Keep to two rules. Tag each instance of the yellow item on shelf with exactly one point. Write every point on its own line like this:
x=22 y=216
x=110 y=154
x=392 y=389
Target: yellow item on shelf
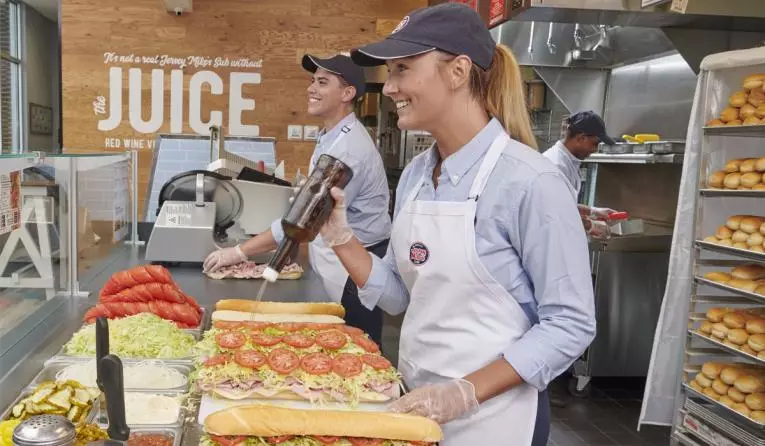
x=631 y=139
x=647 y=137
x=6 y=432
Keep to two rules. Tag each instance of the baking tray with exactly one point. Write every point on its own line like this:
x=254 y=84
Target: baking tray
x=732 y=193
x=665 y=147
x=617 y=149
x=723 y=287
x=735 y=415
x=102 y=419
x=51 y=368
x=727 y=348
x=94 y=408
x=706 y=413
x=176 y=433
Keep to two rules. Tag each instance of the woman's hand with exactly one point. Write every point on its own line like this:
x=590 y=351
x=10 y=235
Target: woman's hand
x=336 y=231
x=440 y=402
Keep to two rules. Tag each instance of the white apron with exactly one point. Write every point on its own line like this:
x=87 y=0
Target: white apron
x=323 y=259
x=459 y=318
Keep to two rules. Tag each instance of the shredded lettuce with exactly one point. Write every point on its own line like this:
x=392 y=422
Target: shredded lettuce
x=143 y=335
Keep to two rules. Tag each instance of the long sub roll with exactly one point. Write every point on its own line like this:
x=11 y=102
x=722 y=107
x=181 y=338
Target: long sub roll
x=253 y=306
x=264 y=422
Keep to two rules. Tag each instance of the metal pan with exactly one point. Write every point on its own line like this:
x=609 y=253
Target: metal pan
x=102 y=418
x=739 y=417
x=95 y=407
x=48 y=373
x=62 y=356
x=175 y=433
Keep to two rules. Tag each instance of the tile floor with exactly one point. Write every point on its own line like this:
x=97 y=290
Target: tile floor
x=607 y=417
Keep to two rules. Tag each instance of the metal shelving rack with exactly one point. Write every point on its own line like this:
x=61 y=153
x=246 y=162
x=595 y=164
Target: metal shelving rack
x=700 y=420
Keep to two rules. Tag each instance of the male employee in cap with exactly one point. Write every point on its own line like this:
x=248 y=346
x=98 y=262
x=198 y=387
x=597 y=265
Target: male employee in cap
x=585 y=131
x=335 y=85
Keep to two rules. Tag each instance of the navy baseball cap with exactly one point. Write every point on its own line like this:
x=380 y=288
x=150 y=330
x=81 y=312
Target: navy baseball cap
x=451 y=27
x=589 y=123
x=340 y=65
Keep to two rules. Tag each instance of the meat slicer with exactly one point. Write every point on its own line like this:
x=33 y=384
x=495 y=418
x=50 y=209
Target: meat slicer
x=200 y=211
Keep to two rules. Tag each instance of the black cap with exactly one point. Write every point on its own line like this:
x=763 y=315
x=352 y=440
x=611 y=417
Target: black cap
x=451 y=27
x=340 y=65
x=589 y=123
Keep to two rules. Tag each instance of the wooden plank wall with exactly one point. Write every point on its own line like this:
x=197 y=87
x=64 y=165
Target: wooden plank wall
x=277 y=31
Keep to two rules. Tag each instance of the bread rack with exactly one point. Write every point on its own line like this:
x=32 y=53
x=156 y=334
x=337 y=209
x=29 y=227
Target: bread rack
x=700 y=420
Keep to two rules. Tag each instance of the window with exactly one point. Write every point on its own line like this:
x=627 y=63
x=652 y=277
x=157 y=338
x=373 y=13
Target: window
x=10 y=76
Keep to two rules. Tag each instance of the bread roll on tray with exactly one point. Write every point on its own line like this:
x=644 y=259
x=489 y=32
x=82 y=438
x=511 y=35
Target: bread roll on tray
x=748 y=272
x=719 y=277
x=748 y=350
x=759 y=165
x=712 y=239
x=253 y=306
x=747 y=111
x=727 y=242
x=724 y=232
x=751 y=120
x=743 y=284
x=263 y=421
x=725 y=400
x=758 y=416
x=750 y=223
x=756 y=342
x=708 y=391
x=716 y=314
x=742 y=409
x=749 y=383
x=750 y=179
x=755 y=401
x=760 y=112
x=738 y=336
x=716 y=180
x=737 y=99
x=753 y=81
x=736 y=396
x=720 y=331
x=756 y=98
x=712 y=369
x=755 y=239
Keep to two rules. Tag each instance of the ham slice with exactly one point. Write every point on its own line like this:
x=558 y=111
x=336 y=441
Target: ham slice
x=136 y=276
x=252 y=270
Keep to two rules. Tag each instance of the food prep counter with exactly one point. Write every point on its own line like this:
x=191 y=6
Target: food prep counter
x=46 y=339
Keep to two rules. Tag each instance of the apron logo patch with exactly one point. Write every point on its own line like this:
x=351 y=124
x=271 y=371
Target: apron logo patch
x=418 y=253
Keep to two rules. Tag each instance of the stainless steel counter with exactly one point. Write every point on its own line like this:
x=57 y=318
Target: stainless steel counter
x=43 y=340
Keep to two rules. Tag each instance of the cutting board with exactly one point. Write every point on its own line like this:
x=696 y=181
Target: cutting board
x=211 y=404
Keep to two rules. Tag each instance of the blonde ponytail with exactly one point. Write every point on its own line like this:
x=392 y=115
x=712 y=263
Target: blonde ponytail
x=502 y=89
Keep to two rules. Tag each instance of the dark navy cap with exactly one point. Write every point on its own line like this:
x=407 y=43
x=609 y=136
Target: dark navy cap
x=451 y=27
x=589 y=123
x=340 y=65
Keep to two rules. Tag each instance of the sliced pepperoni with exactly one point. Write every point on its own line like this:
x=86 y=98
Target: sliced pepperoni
x=376 y=362
x=251 y=359
x=356 y=441
x=289 y=326
x=230 y=339
x=283 y=361
x=254 y=325
x=216 y=360
x=353 y=331
x=280 y=439
x=366 y=343
x=347 y=365
x=265 y=340
x=227 y=441
x=332 y=339
x=227 y=325
x=298 y=340
x=316 y=363
x=324 y=439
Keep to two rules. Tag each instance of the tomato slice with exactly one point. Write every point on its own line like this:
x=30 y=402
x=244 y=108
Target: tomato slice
x=227 y=441
x=347 y=365
x=376 y=362
x=366 y=343
x=353 y=331
x=298 y=340
x=316 y=363
x=227 y=325
x=357 y=441
x=252 y=359
x=316 y=326
x=324 y=439
x=230 y=339
x=265 y=340
x=289 y=326
x=280 y=439
x=283 y=361
x=254 y=325
x=216 y=360
x=332 y=339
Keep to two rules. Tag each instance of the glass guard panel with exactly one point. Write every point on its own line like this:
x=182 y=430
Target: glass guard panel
x=33 y=244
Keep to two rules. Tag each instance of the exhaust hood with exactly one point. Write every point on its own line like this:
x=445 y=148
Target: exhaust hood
x=737 y=15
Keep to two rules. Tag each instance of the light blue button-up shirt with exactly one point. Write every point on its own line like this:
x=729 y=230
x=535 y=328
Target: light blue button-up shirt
x=367 y=195
x=530 y=238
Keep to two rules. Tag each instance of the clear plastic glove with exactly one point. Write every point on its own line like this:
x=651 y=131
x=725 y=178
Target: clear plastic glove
x=601 y=212
x=336 y=231
x=223 y=257
x=440 y=402
x=599 y=229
